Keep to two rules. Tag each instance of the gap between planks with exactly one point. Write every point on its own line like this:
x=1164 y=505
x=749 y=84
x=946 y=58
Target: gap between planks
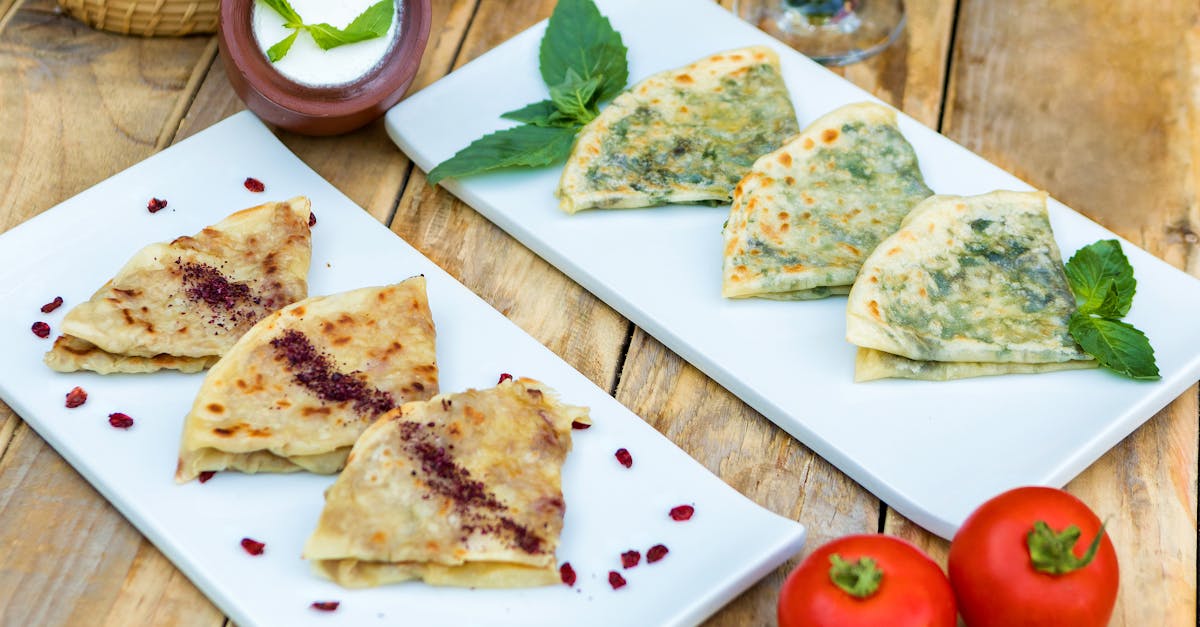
x=170 y=127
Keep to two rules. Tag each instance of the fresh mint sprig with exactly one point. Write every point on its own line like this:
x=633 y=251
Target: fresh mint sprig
x=1103 y=283
x=370 y=24
x=582 y=61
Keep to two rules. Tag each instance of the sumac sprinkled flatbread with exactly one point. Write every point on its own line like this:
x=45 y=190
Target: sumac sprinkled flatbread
x=680 y=136
x=300 y=387
x=460 y=490
x=969 y=286
x=180 y=305
x=807 y=215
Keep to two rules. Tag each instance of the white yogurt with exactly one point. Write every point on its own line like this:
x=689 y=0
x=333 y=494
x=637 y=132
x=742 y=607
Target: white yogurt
x=306 y=63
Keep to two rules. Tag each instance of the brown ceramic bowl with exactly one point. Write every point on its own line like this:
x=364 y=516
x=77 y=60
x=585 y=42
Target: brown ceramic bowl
x=319 y=110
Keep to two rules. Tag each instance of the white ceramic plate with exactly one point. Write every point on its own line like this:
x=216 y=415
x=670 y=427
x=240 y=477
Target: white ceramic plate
x=75 y=247
x=934 y=451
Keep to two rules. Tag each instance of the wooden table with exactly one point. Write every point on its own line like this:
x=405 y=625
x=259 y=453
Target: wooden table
x=1094 y=101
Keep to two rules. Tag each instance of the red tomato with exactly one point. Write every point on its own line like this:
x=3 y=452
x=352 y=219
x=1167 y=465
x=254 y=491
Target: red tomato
x=911 y=591
x=994 y=578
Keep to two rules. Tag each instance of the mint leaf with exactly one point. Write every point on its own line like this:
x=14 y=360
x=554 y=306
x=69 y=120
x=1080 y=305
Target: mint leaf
x=579 y=38
x=1091 y=265
x=573 y=96
x=542 y=113
x=1117 y=345
x=526 y=145
x=1104 y=301
x=276 y=52
x=372 y=23
x=283 y=8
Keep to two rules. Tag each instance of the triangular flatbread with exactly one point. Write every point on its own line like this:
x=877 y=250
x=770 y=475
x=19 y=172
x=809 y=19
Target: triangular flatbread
x=807 y=215
x=182 y=304
x=460 y=490
x=680 y=136
x=965 y=279
x=300 y=387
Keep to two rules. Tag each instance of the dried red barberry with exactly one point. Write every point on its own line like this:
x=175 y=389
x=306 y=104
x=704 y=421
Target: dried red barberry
x=615 y=580
x=52 y=305
x=41 y=329
x=504 y=376
x=119 y=420
x=629 y=559
x=253 y=547
x=624 y=457
x=326 y=606
x=312 y=219
x=76 y=397
x=254 y=184
x=206 y=475
x=656 y=553
x=682 y=512
x=580 y=426
x=567 y=573
x=155 y=205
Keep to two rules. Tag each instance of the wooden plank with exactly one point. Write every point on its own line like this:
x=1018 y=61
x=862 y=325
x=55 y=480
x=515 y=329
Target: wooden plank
x=73 y=111
x=532 y=293
x=77 y=106
x=1104 y=116
x=730 y=438
x=67 y=551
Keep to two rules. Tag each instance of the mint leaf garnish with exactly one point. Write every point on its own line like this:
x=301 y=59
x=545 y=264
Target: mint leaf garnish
x=582 y=61
x=1091 y=265
x=1117 y=345
x=1103 y=283
x=370 y=24
x=573 y=96
x=542 y=113
x=276 y=52
x=579 y=38
x=283 y=8
x=526 y=145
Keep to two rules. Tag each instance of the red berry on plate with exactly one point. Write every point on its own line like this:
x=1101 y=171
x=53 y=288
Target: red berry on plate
x=615 y=580
x=120 y=421
x=656 y=553
x=254 y=184
x=567 y=573
x=41 y=329
x=76 y=397
x=624 y=457
x=682 y=512
x=253 y=547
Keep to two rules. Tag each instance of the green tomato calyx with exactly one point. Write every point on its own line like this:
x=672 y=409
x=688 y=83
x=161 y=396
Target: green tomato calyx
x=1052 y=552
x=859 y=579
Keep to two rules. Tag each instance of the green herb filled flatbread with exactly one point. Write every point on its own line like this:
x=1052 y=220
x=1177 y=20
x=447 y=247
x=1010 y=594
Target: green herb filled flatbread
x=807 y=215
x=973 y=283
x=684 y=135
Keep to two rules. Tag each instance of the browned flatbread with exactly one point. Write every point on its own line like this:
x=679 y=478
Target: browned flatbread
x=460 y=490
x=182 y=304
x=300 y=387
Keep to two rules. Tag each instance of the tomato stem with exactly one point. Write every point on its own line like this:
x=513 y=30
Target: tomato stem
x=1052 y=552
x=859 y=579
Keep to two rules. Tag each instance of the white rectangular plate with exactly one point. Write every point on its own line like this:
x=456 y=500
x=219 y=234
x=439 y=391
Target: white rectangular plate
x=933 y=451
x=75 y=247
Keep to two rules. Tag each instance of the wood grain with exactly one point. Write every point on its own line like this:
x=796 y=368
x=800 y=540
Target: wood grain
x=78 y=105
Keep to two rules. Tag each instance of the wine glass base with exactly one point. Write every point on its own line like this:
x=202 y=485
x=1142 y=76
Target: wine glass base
x=869 y=29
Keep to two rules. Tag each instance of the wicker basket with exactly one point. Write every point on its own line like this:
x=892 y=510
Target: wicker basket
x=146 y=17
